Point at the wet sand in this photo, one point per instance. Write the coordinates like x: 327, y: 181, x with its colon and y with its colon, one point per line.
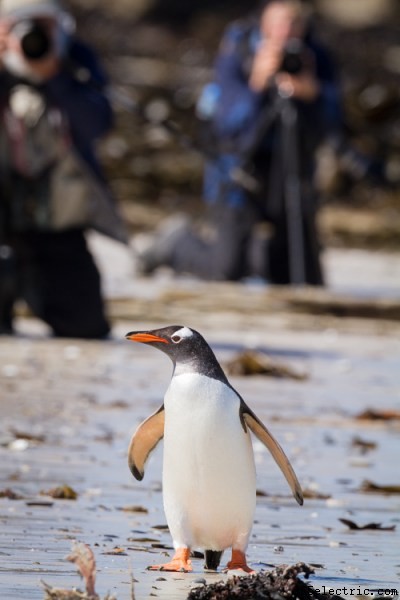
x: 82, y: 401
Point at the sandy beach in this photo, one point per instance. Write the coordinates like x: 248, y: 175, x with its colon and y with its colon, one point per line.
x: 69, y: 408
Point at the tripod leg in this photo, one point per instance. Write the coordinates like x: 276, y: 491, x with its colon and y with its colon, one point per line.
x: 292, y: 193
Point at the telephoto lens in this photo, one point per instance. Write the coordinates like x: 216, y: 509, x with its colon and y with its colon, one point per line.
x: 292, y: 61
x: 34, y: 39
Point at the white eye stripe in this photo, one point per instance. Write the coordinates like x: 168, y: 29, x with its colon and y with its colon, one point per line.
x: 185, y: 332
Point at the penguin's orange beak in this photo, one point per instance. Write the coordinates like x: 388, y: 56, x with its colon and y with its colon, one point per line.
x: 145, y: 338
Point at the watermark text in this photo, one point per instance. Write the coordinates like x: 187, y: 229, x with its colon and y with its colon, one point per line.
x: 358, y: 591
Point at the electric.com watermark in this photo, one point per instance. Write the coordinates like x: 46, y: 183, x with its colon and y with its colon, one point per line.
x: 358, y: 591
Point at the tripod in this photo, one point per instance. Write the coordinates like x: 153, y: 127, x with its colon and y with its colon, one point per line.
x: 284, y: 185
x: 292, y: 194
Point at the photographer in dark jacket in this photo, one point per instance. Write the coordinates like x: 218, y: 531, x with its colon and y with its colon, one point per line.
x: 275, y: 98
x: 52, y: 109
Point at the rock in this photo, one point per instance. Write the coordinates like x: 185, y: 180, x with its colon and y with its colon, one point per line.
x: 279, y: 584
x: 347, y: 13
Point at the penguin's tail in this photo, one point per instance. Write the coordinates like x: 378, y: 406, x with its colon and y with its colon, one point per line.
x: 212, y: 559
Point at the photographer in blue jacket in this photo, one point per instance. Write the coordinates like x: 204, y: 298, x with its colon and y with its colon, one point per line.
x: 273, y: 100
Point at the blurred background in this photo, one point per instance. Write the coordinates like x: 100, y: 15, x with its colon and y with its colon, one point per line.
x: 69, y: 407
x: 160, y: 53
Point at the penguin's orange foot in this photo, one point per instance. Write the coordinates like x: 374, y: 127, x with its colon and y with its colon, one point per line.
x: 238, y: 563
x: 179, y: 563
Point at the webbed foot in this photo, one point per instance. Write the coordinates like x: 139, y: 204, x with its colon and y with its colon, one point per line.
x: 180, y: 563
x: 238, y: 562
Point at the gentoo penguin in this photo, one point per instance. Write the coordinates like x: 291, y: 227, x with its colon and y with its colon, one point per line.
x: 209, y: 479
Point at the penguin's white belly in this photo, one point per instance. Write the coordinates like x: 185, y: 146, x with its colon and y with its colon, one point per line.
x: 209, y: 478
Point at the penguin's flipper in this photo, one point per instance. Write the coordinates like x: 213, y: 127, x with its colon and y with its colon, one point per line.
x: 260, y: 431
x: 144, y: 440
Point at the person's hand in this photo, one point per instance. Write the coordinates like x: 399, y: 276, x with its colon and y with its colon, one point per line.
x: 303, y: 86
x: 266, y: 72
x: 266, y: 63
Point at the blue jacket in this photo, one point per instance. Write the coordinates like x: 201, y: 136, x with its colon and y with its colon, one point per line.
x: 239, y: 106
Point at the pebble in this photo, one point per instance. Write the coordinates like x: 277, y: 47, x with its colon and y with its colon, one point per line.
x: 200, y: 580
x: 358, y: 461
x: 334, y: 502
x: 72, y: 352
x: 19, y: 445
x: 9, y: 370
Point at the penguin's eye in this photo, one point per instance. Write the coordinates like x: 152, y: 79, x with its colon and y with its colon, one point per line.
x: 176, y: 339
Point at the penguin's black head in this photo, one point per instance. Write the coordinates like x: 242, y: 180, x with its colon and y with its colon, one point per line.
x: 187, y: 349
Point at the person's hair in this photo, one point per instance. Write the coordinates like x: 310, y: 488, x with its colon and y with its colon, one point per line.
x: 303, y: 9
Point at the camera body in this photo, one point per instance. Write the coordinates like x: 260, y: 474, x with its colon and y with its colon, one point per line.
x: 293, y: 57
x: 34, y: 38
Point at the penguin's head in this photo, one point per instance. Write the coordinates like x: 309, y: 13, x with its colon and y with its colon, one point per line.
x: 187, y: 349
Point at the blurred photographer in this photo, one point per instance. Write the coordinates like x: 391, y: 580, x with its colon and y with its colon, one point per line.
x: 53, y: 109
x: 272, y: 101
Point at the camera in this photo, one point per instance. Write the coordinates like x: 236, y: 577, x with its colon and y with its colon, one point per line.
x: 34, y: 39
x: 292, y: 61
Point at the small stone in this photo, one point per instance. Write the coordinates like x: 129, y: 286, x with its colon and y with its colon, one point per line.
x: 198, y: 583
x: 9, y: 370
x: 19, y: 445
x: 72, y: 352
